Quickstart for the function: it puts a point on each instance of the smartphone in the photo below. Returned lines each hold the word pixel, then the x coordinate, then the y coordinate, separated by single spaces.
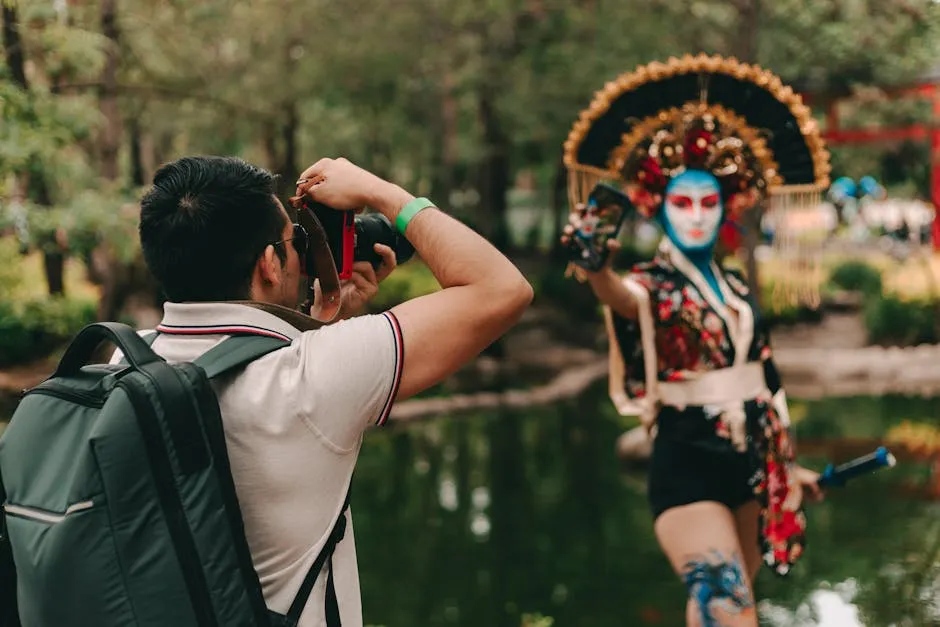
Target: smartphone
pixel 340 230
pixel 606 209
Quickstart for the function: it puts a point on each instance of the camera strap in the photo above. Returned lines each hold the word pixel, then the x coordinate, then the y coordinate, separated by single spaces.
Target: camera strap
pixel 318 246
pixel 296 319
pixel 322 256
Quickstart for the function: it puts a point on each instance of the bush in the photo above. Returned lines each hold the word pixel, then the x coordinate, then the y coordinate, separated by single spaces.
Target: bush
pixel 857 276
pixel 10 276
pixel 894 322
pixel 32 330
pixel 407 282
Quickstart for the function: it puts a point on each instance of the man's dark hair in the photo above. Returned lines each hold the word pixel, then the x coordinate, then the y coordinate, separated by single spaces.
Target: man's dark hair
pixel 204 224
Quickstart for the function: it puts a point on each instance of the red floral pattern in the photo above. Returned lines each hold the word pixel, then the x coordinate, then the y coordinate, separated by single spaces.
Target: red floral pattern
pixel 782 522
pixel 691 337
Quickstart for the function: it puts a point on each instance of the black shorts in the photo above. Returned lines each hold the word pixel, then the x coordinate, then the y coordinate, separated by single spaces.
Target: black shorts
pixel 681 473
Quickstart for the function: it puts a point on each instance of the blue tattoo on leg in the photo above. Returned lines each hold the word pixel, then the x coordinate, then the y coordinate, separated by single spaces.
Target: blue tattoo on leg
pixel 714 580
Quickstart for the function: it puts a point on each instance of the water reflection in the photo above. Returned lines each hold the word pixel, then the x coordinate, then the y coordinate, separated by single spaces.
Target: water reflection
pixel 526 519
pixel 499 519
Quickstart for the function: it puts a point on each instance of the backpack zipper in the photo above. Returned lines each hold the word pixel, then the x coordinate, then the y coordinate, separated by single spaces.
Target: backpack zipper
pixel 84 399
pixel 45 516
pixel 171 505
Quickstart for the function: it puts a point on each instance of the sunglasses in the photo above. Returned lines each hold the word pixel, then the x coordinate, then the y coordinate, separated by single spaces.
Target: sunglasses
pixel 299 240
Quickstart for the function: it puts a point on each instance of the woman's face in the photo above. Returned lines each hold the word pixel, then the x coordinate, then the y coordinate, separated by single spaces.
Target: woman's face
pixel 692 211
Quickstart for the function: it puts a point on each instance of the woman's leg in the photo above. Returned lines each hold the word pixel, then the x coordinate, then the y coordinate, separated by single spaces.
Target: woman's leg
pixel 747 520
pixel 701 541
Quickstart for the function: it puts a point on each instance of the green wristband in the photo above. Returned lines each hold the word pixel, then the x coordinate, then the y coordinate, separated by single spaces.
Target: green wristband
pixel 409 211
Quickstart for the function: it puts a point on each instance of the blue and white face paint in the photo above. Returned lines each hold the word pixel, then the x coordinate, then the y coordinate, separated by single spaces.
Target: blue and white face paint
pixel 692 211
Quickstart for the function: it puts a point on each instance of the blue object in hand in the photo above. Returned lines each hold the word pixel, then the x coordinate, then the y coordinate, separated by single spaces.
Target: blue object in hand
pixel 838 475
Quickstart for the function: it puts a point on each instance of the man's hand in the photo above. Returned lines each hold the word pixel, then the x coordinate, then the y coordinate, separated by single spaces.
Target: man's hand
pixel 340 184
pixel 363 285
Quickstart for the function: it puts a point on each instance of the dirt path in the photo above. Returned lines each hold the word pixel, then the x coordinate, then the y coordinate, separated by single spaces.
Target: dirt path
pixel 545 359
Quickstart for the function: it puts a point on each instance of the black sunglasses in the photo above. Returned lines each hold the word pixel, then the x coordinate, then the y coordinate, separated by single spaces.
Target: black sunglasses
pixel 299 240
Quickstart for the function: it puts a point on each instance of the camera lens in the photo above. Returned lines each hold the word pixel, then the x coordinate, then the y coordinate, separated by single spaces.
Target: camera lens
pixel 374 228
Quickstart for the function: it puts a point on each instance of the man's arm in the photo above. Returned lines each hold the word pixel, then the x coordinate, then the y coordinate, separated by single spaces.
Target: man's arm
pixel 483 293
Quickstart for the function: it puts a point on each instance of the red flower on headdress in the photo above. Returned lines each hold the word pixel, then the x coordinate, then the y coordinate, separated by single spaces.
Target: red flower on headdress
pixel 730 236
pixel 697 144
pixel 740 202
pixel 650 175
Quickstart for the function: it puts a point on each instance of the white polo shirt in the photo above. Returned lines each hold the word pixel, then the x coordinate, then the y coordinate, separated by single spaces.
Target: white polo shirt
pixel 293 422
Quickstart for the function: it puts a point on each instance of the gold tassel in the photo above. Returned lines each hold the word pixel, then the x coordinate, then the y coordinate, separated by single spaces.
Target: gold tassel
pixel 798 248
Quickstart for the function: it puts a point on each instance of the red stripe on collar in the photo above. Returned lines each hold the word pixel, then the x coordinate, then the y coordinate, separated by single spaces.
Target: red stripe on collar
pixel 223 329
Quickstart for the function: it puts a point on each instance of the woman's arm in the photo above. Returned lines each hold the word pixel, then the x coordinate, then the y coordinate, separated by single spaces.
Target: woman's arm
pixel 610 290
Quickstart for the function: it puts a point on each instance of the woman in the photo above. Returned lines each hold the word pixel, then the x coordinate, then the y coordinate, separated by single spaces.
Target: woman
pixel 689 346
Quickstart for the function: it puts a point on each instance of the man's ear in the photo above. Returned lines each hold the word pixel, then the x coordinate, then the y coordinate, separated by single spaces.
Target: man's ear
pixel 268 267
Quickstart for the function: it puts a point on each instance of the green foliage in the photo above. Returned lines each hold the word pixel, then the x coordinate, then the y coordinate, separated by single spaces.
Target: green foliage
pixel 892 321
pixel 576 298
pixel 38 126
pixel 31 330
pixel 422 91
pixel 857 276
pixel 409 281
pixel 537 620
pixel 10 276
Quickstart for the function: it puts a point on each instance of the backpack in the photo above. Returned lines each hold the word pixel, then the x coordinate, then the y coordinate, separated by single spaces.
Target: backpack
pixel 118 500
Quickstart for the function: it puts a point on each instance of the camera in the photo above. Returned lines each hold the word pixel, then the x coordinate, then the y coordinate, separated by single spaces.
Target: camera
pixel 372 229
pixel 352 238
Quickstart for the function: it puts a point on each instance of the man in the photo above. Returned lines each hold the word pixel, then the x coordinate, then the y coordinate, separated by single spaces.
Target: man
pixel 213 231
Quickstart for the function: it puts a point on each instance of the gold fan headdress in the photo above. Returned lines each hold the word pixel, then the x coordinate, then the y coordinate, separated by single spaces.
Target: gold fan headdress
pixel 738 121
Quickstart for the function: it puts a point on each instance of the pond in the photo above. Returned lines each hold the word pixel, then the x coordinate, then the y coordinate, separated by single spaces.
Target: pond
pixel 528 518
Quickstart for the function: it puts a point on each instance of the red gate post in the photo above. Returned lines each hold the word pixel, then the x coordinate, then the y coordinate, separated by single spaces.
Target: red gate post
pixel 935 170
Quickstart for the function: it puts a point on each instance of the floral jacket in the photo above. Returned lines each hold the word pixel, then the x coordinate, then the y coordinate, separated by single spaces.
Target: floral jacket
pixel 684 330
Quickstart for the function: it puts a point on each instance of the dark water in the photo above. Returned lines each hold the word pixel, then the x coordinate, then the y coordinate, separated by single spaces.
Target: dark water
pixel 527 519
pixel 500 519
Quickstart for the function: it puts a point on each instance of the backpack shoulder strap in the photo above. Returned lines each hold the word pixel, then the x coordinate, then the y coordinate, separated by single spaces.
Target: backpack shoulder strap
pixel 236 351
pixel 9 613
pixel 148 339
pixel 300 601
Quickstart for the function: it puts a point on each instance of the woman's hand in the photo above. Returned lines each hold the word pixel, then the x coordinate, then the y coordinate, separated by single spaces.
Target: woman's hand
pixel 804 481
pixel 575 221
pixel 575 218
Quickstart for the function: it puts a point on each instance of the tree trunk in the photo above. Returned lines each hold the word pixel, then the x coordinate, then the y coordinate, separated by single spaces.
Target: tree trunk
pixel 288 166
pixel 13 46
pixel 138 177
pixel 494 172
pixel 110 141
pixel 559 209
pixel 745 49
pixel 445 159
pixel 272 155
pixel 54 258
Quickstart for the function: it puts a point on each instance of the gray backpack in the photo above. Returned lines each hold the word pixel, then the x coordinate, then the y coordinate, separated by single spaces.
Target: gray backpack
pixel 118 501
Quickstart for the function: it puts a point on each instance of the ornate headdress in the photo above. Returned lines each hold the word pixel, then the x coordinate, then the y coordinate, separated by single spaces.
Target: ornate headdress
pixel 737 121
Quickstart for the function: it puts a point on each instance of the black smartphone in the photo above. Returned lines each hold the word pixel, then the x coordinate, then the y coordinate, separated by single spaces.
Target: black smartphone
pixel 606 209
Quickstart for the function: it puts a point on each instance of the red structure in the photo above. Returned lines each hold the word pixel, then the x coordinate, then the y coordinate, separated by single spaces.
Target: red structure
pixel 928 88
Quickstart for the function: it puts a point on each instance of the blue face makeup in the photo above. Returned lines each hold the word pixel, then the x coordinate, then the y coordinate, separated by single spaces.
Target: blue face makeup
pixel 692 212
pixel 691 216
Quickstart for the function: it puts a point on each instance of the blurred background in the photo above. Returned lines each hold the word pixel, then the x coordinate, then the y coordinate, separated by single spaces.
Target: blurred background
pixel 509 495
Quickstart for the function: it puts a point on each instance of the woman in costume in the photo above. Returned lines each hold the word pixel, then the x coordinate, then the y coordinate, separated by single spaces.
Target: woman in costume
pixel 695 143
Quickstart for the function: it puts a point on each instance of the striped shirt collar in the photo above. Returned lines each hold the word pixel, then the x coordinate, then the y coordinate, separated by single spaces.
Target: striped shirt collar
pixel 222 319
